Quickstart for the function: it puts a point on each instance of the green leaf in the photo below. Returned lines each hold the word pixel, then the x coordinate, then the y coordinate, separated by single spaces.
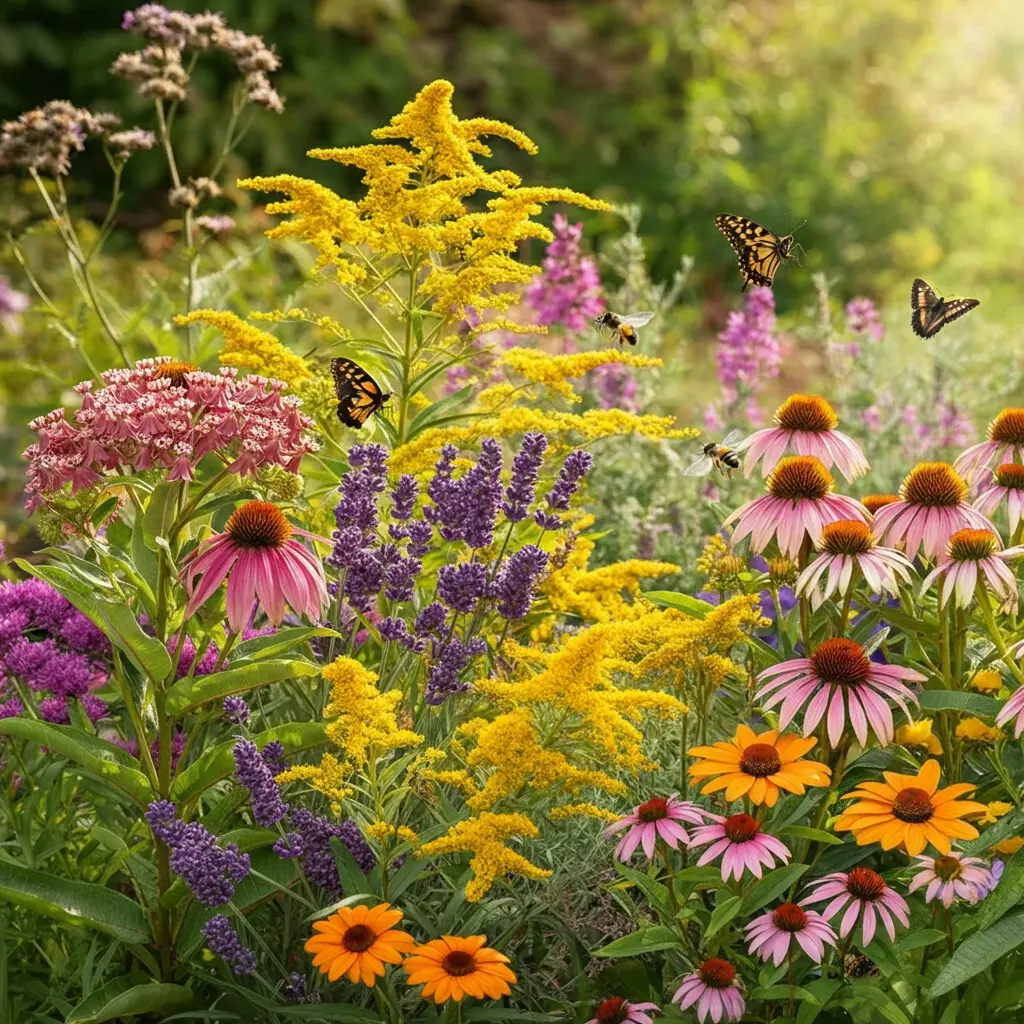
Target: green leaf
pixel 437 411
pixel 1008 825
pixel 120 998
pixel 650 887
pixel 86 751
pixel 189 694
pixel 722 915
pixel 103 510
pixel 486 1013
pixel 784 992
pixel 700 876
pixel 352 878
pixel 911 623
pixel 918 939
pixel 646 940
pixel 822 989
pixel 1006 895
pixel 959 700
pixel 683 602
pixel 78 904
pixel 772 885
pixel 978 952
pixel 816 834
pixel 283 641
pixel 160 512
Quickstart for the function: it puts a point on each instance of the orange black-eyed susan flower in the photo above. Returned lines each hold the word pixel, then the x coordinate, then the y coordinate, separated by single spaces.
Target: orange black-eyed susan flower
pixel 453 967
pixel 357 942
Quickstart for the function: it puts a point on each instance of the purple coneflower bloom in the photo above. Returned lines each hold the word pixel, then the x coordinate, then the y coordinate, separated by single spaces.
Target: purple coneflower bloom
pixel 741 843
pixel 1005 436
pixel 952 876
pixel 1014 707
pixel 1008 486
pixel 770 935
pixel 712 990
pixel 657 817
pixel 838 677
pixel 869 898
pixel 972 558
pixel 618 1011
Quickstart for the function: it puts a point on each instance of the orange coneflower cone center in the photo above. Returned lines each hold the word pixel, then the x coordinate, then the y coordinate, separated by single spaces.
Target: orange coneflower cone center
pixel 653 810
pixel 760 760
pixel 935 484
pixel 865 884
pixel 1007 427
pixel 841 661
pixel 740 828
pixel 717 973
pixel 846 537
pixel 458 963
pixel 912 805
pixel 611 1011
pixel 790 918
pixel 873 502
pixel 800 476
pixel 806 412
pixel 948 868
pixel 258 524
pixel 175 371
pixel 971 545
pixel 359 938
pixel 1010 474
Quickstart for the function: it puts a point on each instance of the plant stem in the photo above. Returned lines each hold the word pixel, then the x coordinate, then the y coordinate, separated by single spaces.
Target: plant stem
pixel 996 634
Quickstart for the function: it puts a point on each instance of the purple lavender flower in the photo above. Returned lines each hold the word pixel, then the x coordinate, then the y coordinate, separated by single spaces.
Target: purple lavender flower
pixel 397 631
pixel 567 292
pixel 364 579
pixel 252 772
pixel 317 859
pixel 289 845
pixel 461 586
pixel 55 710
pixel 421 534
pixel 403 498
pixel 273 754
pixel 523 483
pixel 467 509
pixel 576 466
pixel 295 990
pixel 514 586
pixel 224 942
pixel 235 711
pixel 748 352
pixel 431 620
pixel 449 662
pixel 863 318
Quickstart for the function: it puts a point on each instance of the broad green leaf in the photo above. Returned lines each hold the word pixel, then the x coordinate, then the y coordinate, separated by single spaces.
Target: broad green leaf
pixel 1006 895
pixel 1008 825
pixel 871 992
pixel 773 884
pixel 981 950
pixel 284 641
pixel 86 751
pixel 78 904
pixel 822 989
pixel 911 623
pixel 683 602
pixel 816 834
pixel 488 1013
pixel 352 878
pixel 780 992
pixel 700 876
pixel 651 888
pixel 722 915
pixel 160 512
pixel 439 410
pixel 918 939
pixel 120 998
pixel 189 694
pixel 646 940
pixel 959 700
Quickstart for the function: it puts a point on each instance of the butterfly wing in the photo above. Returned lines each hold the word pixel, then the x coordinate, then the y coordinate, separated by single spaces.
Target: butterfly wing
pixel 955 308
pixel 359 395
pixel 923 304
pixel 759 250
pixel 638 319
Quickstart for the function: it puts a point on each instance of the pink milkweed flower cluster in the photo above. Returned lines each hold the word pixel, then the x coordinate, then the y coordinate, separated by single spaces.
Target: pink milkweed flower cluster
pixel 567 291
pixel 658 818
pixel 168 415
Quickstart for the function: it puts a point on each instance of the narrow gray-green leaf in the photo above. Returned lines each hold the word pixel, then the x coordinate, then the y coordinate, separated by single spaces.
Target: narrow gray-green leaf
pixel 120 999
pixel 978 952
pixel 189 694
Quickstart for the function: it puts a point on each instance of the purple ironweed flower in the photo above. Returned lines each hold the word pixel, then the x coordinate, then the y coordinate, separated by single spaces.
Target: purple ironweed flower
pixel 252 772
pixel 43 606
pixel 235 710
pixel 317 859
pixel 95 707
pixel 128 746
pixel 525 469
pixel 210 871
pixel 289 845
pixel 863 318
pixel 177 749
pixel 461 586
pixel 11 708
pixel 616 387
pixel 449 661
pixel 81 634
pixel 748 353
pixel 12 305
pixel 514 587
pixel 55 710
pixel 397 631
pixel 273 754
pixel 223 941
pixel 431 620
pixel 203 667
pixel 567 291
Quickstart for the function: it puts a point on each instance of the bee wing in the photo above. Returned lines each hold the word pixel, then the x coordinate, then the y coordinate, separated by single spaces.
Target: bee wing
pixel 637 319
pixel 732 438
pixel 699 467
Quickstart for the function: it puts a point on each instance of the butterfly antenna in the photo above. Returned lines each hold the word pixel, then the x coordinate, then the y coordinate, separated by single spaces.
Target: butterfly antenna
pixel 797 245
pixel 800 225
pixel 310 352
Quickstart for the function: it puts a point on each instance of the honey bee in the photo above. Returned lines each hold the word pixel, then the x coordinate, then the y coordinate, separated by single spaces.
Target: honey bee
pixel 717 456
pixel 623 328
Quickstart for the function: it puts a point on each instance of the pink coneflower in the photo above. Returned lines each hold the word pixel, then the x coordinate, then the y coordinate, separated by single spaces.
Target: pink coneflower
pixel 770 935
pixel 261 561
pixel 932 507
pixel 799 503
pixel 617 1011
pixel 741 843
pixel 845 546
pixel 952 876
pixel 1014 706
pixel 657 817
pixel 713 990
pixel 869 898
pixel 972 557
pixel 838 677
pixel 805 424
pixel 1008 487
pixel 1005 437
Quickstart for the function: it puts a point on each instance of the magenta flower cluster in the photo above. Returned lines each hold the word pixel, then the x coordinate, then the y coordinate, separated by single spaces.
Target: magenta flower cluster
pixel 567 291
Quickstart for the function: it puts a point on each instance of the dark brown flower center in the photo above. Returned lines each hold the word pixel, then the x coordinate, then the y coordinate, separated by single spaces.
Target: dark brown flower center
pixel 800 476
pixel 653 810
pixel 458 963
pixel 258 524
pixel 760 759
pixel 948 868
pixel 935 485
pixel 612 1011
pixel 790 918
pixel 1008 427
pixel 741 828
pixel 359 938
pixel 175 371
pixel 841 661
pixel 865 884
pixel 1010 474
pixel 846 537
pixel 873 502
pixel 806 412
pixel 717 973
pixel 971 545
pixel 913 805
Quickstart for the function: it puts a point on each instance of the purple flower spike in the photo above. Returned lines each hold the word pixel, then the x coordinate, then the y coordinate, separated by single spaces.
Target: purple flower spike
pixel 525 469
pixel 235 710
pixel 567 292
pixel 514 587
pixel 252 772
pixel 318 862
pixel 461 586
pixel 224 942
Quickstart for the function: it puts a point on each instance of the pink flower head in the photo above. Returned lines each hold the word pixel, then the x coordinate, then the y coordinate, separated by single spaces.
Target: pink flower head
pixel 952 876
pixel 798 504
pixel 567 291
pixel 869 899
pixel 262 562
pixel 932 507
pixel 713 990
pixel 1014 706
pixel 1007 486
pixel 657 817
pixel 741 844
pixel 618 1011
pixel 845 546
pixel 838 677
pixel 770 935
pixel 1005 438
pixel 806 425
pixel 863 318
pixel 972 557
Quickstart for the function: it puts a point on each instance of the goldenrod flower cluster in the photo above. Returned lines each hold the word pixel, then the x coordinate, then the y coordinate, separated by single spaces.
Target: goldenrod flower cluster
pixel 719 565
pixel 584 810
pixel 384 832
pixel 993 812
pixel 554 371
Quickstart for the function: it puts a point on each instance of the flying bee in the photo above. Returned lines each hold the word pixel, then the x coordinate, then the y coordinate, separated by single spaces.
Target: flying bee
pixel 717 456
pixel 623 328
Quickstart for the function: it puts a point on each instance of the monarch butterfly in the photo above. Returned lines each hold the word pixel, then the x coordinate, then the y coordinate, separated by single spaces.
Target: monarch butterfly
pixel 929 312
pixel 760 251
pixel 359 395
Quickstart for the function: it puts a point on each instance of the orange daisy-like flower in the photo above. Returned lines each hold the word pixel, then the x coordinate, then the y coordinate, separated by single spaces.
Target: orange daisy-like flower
pixel 358 941
pixel 910 811
pixel 453 967
pixel 758 766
